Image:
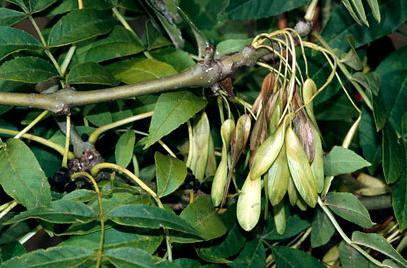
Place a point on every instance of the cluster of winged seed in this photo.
(286, 154)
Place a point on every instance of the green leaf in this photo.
(117, 237)
(168, 21)
(170, 173)
(14, 232)
(124, 148)
(177, 58)
(391, 263)
(21, 176)
(380, 114)
(231, 46)
(204, 14)
(33, 6)
(322, 229)
(187, 263)
(10, 17)
(90, 73)
(100, 116)
(80, 195)
(202, 216)
(293, 258)
(139, 70)
(341, 25)
(393, 62)
(69, 5)
(378, 243)
(153, 38)
(256, 9)
(351, 258)
(51, 257)
(119, 43)
(399, 196)
(348, 206)
(79, 25)
(172, 110)
(11, 250)
(149, 217)
(336, 108)
(369, 141)
(230, 246)
(253, 255)
(294, 226)
(370, 81)
(342, 161)
(60, 211)
(393, 96)
(27, 70)
(392, 155)
(129, 257)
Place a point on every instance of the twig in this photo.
(198, 76)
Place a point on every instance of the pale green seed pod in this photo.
(275, 117)
(308, 91)
(226, 132)
(317, 165)
(268, 151)
(211, 162)
(292, 192)
(240, 137)
(278, 178)
(199, 147)
(220, 178)
(249, 204)
(279, 217)
(300, 168)
(219, 182)
(301, 204)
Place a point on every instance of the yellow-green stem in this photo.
(345, 237)
(67, 141)
(99, 256)
(67, 59)
(95, 170)
(80, 4)
(31, 125)
(40, 140)
(7, 209)
(99, 131)
(44, 44)
(125, 24)
(310, 13)
(345, 71)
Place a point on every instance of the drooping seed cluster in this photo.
(285, 154)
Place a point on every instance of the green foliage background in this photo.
(161, 43)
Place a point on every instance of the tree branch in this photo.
(199, 75)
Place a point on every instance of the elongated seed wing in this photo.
(300, 168)
(278, 178)
(249, 204)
